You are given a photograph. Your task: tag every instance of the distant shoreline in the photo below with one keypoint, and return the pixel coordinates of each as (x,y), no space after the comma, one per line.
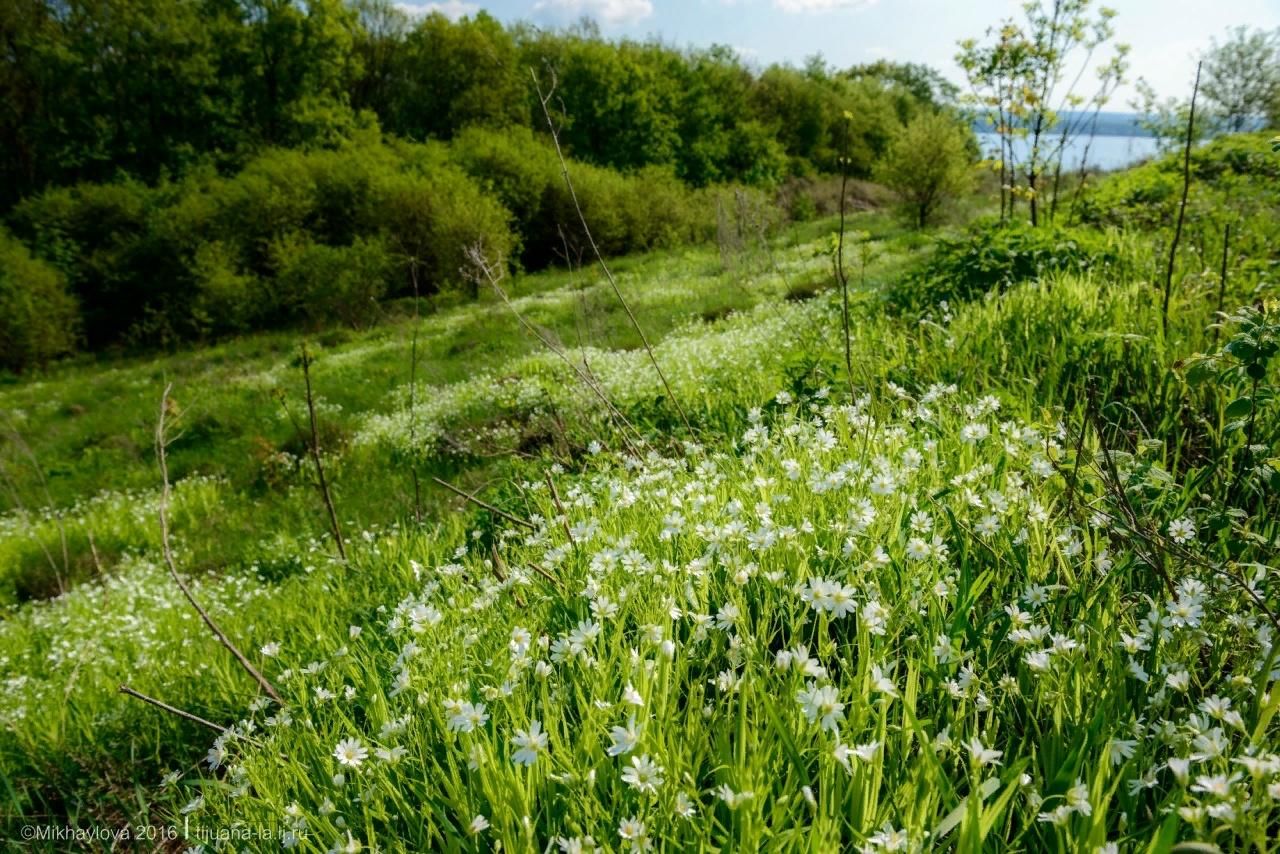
(1109,123)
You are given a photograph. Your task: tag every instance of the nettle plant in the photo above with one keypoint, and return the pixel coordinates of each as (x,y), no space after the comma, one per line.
(1240,371)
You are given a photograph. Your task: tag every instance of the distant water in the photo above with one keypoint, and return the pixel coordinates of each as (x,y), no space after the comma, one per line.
(1105,152)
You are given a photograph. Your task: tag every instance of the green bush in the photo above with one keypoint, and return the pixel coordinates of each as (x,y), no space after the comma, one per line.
(991,257)
(928,165)
(432,219)
(1148,196)
(342,283)
(636,212)
(38,317)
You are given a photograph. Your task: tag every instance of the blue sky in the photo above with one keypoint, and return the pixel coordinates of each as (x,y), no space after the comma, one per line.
(1165,35)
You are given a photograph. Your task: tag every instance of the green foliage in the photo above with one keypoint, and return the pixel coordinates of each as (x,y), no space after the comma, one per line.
(929,164)
(990,257)
(295,236)
(1242,77)
(38,317)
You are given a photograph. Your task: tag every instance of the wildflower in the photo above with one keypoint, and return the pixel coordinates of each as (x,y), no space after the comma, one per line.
(478,825)
(529,744)
(821,703)
(981,754)
(467,717)
(643,774)
(1216,785)
(633,831)
(1182,530)
(1121,750)
(1078,799)
(888,839)
(270,650)
(350,752)
(731,798)
(684,806)
(875,617)
(624,738)
(881,682)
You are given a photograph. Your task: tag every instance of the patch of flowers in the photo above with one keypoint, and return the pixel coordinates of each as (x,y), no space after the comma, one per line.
(869,624)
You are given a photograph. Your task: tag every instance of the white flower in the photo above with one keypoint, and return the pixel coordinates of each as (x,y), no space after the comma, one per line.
(466,717)
(478,825)
(643,774)
(624,738)
(270,650)
(981,754)
(351,752)
(822,703)
(1182,530)
(633,831)
(530,743)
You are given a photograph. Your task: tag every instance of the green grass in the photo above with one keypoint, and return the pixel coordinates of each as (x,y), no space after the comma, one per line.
(969,538)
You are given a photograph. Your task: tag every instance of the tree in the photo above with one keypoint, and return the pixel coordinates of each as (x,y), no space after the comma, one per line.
(1017,80)
(451,74)
(928,164)
(1242,77)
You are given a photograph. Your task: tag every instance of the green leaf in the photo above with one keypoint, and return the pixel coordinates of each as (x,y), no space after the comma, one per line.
(1201,372)
(1240,407)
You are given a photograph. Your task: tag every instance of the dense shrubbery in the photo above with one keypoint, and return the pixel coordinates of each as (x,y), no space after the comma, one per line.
(317,236)
(294,236)
(990,257)
(153,88)
(207,168)
(646,210)
(38,318)
(1148,195)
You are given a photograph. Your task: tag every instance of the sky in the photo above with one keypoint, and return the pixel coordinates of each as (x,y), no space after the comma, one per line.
(1165,35)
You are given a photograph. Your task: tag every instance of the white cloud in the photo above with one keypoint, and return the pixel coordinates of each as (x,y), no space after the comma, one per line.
(605,11)
(820,5)
(451,9)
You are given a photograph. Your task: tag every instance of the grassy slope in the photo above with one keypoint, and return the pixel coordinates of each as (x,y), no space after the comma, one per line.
(244,507)
(715,549)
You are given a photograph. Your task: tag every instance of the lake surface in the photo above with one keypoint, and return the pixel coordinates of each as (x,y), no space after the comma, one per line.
(1105,152)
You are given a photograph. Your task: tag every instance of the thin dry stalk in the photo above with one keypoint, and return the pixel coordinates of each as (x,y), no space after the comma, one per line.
(515,520)
(1222,280)
(841,278)
(1182,207)
(321,481)
(173,710)
(15,499)
(564,171)
(483,268)
(167,549)
(413,398)
(18,442)
(564,517)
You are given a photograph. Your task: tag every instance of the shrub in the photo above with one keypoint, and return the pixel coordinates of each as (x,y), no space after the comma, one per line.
(342,283)
(38,316)
(928,164)
(994,257)
(646,210)
(432,219)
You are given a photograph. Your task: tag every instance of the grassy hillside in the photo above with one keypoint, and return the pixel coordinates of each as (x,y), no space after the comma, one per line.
(997,575)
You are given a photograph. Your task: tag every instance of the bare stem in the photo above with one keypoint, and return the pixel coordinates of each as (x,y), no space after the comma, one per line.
(516,520)
(173,567)
(1182,208)
(173,710)
(483,268)
(564,171)
(321,481)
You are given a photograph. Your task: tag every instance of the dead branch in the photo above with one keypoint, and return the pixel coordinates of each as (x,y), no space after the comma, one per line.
(173,567)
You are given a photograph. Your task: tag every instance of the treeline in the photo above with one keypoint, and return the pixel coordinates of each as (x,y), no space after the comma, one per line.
(183,168)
